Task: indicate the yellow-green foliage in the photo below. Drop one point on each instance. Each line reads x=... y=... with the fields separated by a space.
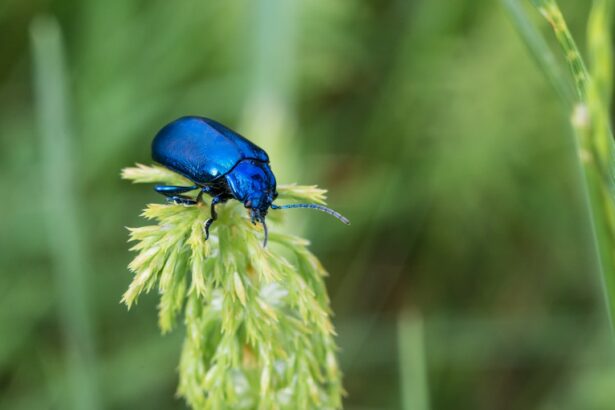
x=257 y=320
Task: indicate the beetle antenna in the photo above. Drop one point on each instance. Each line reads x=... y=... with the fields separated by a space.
x=315 y=206
x=266 y=232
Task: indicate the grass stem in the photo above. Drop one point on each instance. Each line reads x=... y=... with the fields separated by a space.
x=62 y=210
x=412 y=362
x=591 y=123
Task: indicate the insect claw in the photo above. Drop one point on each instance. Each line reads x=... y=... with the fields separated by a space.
x=206 y=226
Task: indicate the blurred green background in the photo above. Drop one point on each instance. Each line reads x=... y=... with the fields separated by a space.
x=467 y=279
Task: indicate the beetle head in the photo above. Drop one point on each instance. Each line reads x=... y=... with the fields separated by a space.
x=259 y=202
x=253 y=183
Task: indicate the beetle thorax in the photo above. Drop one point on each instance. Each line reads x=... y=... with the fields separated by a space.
x=252 y=183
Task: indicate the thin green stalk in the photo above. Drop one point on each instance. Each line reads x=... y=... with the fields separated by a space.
x=412 y=362
x=600 y=48
x=269 y=112
x=591 y=123
x=62 y=210
x=551 y=12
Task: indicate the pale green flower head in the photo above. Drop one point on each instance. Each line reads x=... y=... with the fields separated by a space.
x=257 y=320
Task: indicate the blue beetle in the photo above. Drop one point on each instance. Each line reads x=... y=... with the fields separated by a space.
x=220 y=163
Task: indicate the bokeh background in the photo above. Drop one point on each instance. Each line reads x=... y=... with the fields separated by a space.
x=467 y=279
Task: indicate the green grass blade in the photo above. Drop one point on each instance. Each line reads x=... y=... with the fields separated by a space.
x=412 y=362
x=60 y=201
x=600 y=142
x=600 y=48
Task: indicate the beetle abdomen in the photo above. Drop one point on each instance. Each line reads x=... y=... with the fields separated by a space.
x=202 y=149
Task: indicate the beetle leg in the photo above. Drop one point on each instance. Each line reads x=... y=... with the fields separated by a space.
x=181 y=199
x=204 y=190
x=171 y=191
x=215 y=200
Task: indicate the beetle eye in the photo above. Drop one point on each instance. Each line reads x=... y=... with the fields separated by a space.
x=249 y=204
